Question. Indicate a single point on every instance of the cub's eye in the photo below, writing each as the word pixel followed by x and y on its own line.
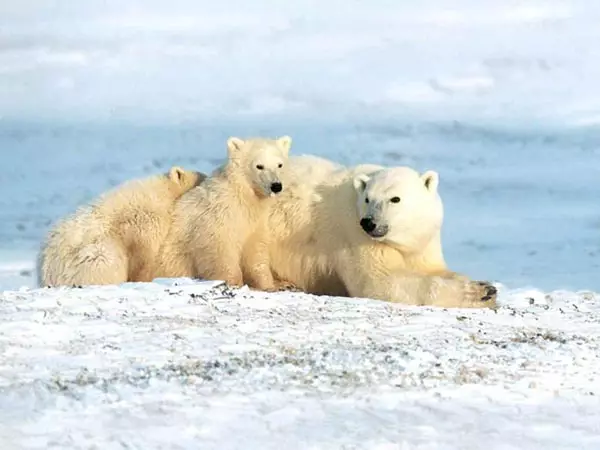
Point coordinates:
pixel 367 200
pixel 280 165
pixel 395 199
pixel 260 166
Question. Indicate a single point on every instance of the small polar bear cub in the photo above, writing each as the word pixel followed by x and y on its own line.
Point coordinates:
pixel 221 231
pixel 117 237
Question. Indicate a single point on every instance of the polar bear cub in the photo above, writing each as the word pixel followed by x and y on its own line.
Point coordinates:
pixel 116 238
pixel 220 230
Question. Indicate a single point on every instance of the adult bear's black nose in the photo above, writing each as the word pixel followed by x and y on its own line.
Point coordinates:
pixel 276 187
pixel 367 224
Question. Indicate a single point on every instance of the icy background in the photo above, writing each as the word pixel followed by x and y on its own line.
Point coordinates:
pixel 500 96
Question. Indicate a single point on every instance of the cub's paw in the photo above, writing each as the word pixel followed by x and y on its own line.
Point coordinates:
pixel 481 294
pixel 271 288
pixel 287 286
pixel 235 284
pixel 277 286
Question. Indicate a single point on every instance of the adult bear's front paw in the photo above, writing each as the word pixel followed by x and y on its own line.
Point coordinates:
pixel 481 294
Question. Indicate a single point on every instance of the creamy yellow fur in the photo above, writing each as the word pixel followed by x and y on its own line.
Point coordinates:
pixel 317 244
pixel 117 237
pixel 219 230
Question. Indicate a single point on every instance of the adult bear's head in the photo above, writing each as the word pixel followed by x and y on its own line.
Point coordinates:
pixel 400 207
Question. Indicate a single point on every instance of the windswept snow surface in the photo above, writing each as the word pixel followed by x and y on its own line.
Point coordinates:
pixel 177 364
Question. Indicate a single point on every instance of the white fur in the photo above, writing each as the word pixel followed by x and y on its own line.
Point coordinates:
pixel 220 229
pixel 317 243
pixel 117 237
pixel 415 219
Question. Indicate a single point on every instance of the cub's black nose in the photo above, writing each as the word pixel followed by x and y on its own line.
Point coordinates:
pixel 276 187
pixel 367 224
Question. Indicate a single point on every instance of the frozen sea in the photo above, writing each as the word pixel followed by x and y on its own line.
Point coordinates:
pixel 501 97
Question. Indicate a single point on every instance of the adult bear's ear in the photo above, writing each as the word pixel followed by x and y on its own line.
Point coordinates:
pixel 360 182
pixel 176 174
pixel 285 143
pixel 234 146
pixel 431 180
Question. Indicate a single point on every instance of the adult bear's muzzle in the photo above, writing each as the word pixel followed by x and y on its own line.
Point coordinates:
pixel 372 229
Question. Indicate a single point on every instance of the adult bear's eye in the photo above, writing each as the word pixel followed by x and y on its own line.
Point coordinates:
pixel 367 200
pixel 395 199
pixel 260 167
pixel 280 165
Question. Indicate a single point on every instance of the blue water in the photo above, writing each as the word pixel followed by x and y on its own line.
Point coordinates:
pixel 522 205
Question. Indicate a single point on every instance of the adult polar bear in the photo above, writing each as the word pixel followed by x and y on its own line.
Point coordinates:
pixel 366 232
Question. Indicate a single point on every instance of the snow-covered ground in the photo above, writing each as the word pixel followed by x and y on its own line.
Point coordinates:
pixel 499 96
pixel 195 365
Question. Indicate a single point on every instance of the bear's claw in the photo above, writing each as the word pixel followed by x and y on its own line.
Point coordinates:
pixel 490 291
pixel 481 294
pixel 288 286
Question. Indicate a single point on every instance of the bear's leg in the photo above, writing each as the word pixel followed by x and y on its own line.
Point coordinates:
pixel 459 292
pixel 448 274
pixel 424 290
pixel 476 292
pixel 221 265
pixel 256 265
pixel 143 261
pixel 173 260
pixel 230 273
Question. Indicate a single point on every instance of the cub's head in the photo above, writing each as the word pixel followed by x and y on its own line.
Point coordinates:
pixel 182 180
pixel 399 206
pixel 262 161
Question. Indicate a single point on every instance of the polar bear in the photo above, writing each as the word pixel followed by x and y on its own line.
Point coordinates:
pixel 369 232
pixel 117 237
pixel 219 230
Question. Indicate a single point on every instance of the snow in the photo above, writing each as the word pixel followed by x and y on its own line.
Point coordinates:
pixel 500 97
pixel 174 363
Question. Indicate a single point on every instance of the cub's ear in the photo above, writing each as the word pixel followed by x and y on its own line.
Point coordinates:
pixel 431 180
pixel 360 182
pixel 177 174
pixel 234 146
pixel 285 143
